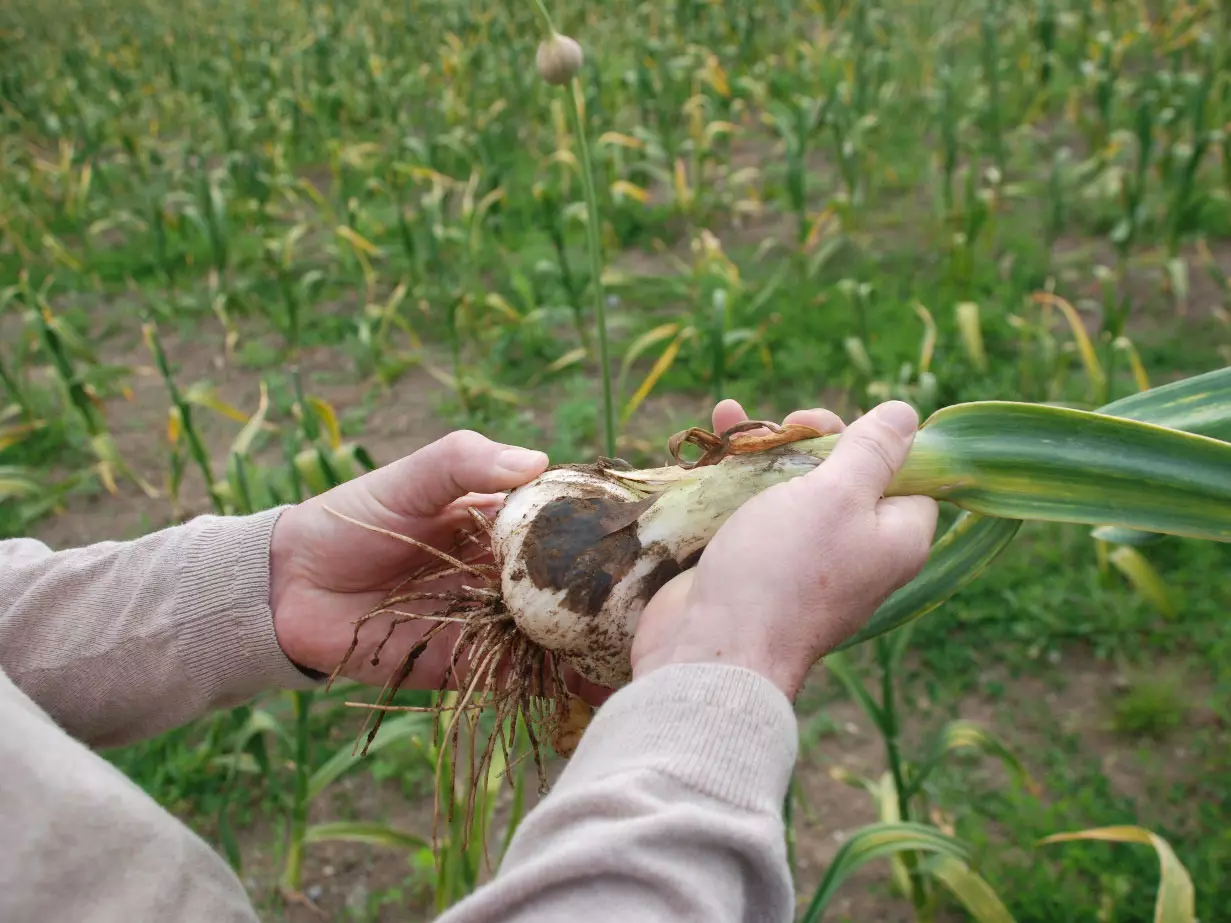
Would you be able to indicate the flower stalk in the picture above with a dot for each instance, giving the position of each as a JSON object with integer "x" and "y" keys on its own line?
{"x": 559, "y": 62}
{"x": 595, "y": 247}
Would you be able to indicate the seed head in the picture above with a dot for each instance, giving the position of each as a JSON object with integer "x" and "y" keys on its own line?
{"x": 559, "y": 59}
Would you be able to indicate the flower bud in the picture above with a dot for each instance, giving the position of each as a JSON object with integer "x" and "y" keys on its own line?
{"x": 558, "y": 59}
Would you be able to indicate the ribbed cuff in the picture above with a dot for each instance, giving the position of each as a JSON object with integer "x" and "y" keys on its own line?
{"x": 724, "y": 731}
{"x": 226, "y": 638}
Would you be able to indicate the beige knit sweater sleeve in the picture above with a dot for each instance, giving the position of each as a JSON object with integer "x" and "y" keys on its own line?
{"x": 670, "y": 811}
{"x": 122, "y": 640}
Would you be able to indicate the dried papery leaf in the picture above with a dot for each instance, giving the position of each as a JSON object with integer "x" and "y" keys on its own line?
{"x": 572, "y": 724}
{"x": 716, "y": 447}
{"x": 1089, "y": 357}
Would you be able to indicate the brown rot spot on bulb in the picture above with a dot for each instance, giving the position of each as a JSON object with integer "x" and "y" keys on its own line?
{"x": 691, "y": 561}
{"x": 665, "y": 571}
{"x": 570, "y": 546}
{"x": 658, "y": 578}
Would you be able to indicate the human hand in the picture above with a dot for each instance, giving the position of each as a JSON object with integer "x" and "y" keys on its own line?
{"x": 799, "y": 568}
{"x": 325, "y": 572}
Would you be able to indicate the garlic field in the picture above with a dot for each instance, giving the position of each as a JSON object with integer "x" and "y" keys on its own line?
{"x": 252, "y": 248}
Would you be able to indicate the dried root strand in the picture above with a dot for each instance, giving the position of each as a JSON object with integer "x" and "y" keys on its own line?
{"x": 422, "y": 546}
{"x": 714, "y": 447}
{"x": 492, "y": 667}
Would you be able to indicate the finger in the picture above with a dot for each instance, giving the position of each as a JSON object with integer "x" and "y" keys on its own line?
{"x": 824, "y": 421}
{"x": 909, "y": 525}
{"x": 461, "y": 463}
{"x": 487, "y": 504}
{"x": 727, "y": 414}
{"x": 871, "y": 451}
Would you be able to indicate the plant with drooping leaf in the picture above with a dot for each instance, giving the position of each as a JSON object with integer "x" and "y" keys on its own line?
{"x": 715, "y": 335}
{"x": 902, "y": 799}
{"x": 71, "y": 360}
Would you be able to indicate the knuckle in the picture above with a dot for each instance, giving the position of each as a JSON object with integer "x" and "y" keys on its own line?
{"x": 874, "y": 442}
{"x": 841, "y": 489}
{"x": 841, "y": 493}
{"x": 462, "y": 441}
{"x": 920, "y": 546}
{"x": 917, "y": 544}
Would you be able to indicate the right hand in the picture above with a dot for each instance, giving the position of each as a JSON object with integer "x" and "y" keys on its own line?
{"x": 799, "y": 568}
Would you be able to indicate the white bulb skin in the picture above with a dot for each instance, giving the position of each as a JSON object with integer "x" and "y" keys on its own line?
{"x": 571, "y": 589}
{"x": 576, "y": 579}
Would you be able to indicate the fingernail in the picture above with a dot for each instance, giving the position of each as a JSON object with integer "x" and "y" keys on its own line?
{"x": 521, "y": 461}
{"x": 901, "y": 416}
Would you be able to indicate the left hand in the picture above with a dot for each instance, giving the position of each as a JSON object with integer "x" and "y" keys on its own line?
{"x": 325, "y": 573}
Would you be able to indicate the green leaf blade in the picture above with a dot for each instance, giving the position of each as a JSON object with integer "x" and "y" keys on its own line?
{"x": 873, "y": 842}
{"x": 16, "y": 482}
{"x": 370, "y": 832}
{"x": 1200, "y": 404}
{"x": 406, "y": 727}
{"x": 970, "y": 545}
{"x": 1033, "y": 462}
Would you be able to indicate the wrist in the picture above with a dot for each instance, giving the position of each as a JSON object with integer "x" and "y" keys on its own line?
{"x": 281, "y": 557}
{"x": 225, "y": 633}
{"x": 281, "y": 572}
{"x": 682, "y": 626}
{"x": 725, "y": 732}
{"x": 714, "y": 652}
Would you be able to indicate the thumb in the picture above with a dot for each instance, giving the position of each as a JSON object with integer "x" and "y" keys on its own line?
{"x": 871, "y": 451}
{"x": 463, "y": 462}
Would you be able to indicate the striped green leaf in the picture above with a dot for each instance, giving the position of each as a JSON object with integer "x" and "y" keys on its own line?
{"x": 17, "y": 482}
{"x": 884, "y": 794}
{"x": 1033, "y": 462}
{"x": 1114, "y": 535}
{"x": 957, "y": 558}
{"x": 840, "y": 668}
{"x": 12, "y": 434}
{"x": 1148, "y": 583}
{"x": 1201, "y": 405}
{"x": 414, "y": 725}
{"x": 370, "y": 832}
{"x": 961, "y": 734}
